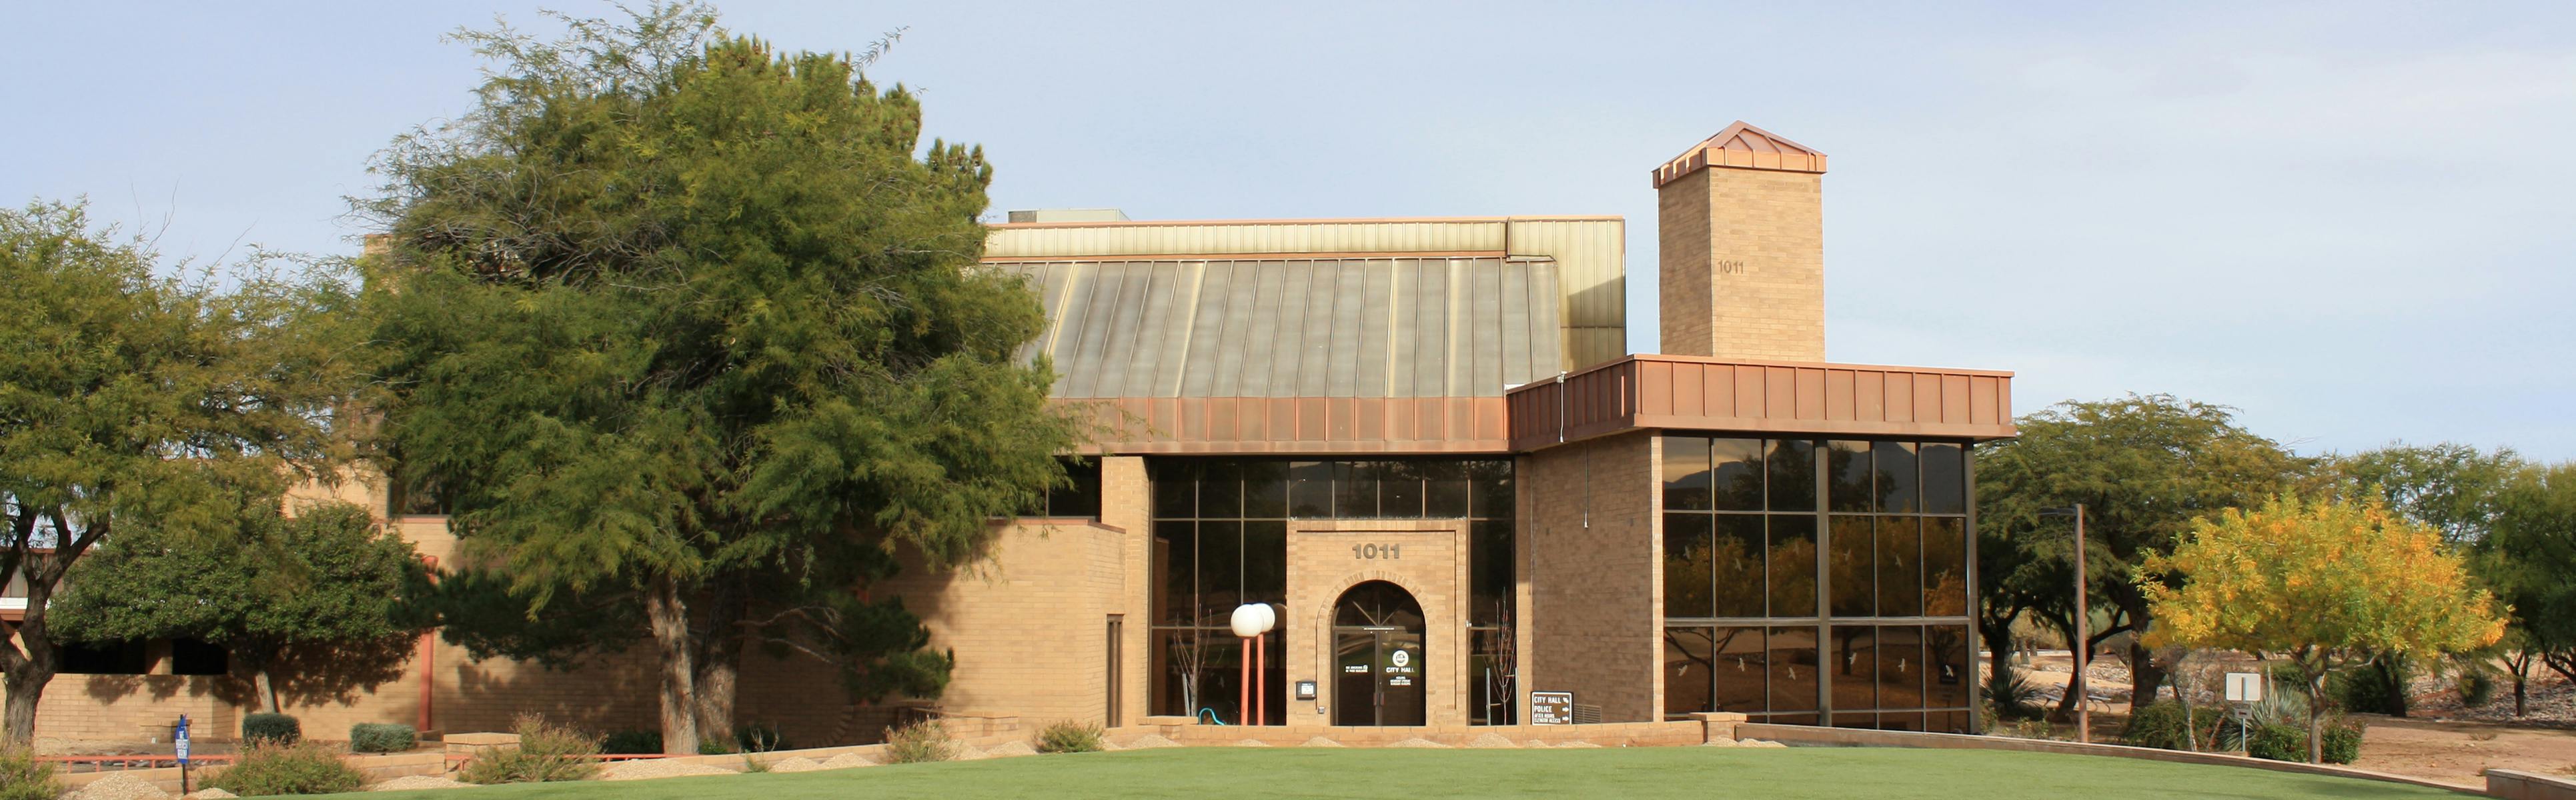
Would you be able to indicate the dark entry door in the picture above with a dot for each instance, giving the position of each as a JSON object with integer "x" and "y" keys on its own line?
{"x": 1380, "y": 666}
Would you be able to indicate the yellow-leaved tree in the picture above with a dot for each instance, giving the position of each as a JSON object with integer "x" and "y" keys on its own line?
{"x": 2324, "y": 584}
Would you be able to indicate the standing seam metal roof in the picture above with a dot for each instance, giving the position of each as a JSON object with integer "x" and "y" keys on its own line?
{"x": 1321, "y": 326}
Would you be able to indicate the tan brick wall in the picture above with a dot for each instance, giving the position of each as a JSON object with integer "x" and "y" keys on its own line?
{"x": 1432, "y": 564}
{"x": 1743, "y": 268}
{"x": 1589, "y": 512}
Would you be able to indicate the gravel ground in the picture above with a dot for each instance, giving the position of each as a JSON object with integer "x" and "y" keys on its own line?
{"x": 208, "y": 794}
{"x": 1151, "y": 740}
{"x": 798, "y": 764}
{"x": 1490, "y": 740}
{"x": 1417, "y": 742}
{"x": 847, "y": 760}
{"x": 1321, "y": 742}
{"x": 120, "y": 786}
{"x": 409, "y": 782}
{"x": 1252, "y": 743}
{"x": 1009, "y": 749}
{"x": 2552, "y": 701}
{"x": 657, "y": 768}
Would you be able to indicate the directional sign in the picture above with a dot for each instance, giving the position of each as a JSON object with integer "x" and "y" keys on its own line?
{"x": 1552, "y": 708}
{"x": 2244, "y": 687}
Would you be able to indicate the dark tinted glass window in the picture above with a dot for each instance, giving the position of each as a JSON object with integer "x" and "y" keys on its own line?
{"x": 1354, "y": 490}
{"x": 1793, "y": 475}
{"x": 1900, "y": 666}
{"x": 112, "y": 658}
{"x": 1689, "y": 575}
{"x": 1947, "y": 646}
{"x": 1793, "y": 668}
{"x": 193, "y": 657}
{"x": 1895, "y": 477}
{"x": 1491, "y": 572}
{"x": 1176, "y": 547}
{"x": 1220, "y": 489}
{"x": 1220, "y": 570}
{"x": 1444, "y": 489}
{"x": 1849, "y": 568}
{"x": 1310, "y": 488}
{"x": 1737, "y": 473}
{"x": 1686, "y": 474}
{"x": 1265, "y": 488}
{"x": 1080, "y": 499}
{"x": 1854, "y": 664}
{"x": 1741, "y": 663}
{"x": 1849, "y": 476}
{"x": 1945, "y": 479}
{"x": 1945, "y": 567}
{"x": 1265, "y": 562}
{"x": 1399, "y": 490}
{"x": 1900, "y": 567}
{"x": 1793, "y": 566}
{"x": 1688, "y": 670}
{"x": 1737, "y": 557}
{"x": 1489, "y": 487}
{"x": 1176, "y": 489}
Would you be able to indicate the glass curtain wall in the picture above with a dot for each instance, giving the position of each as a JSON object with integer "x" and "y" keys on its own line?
{"x": 1817, "y": 582}
{"x": 1221, "y": 540}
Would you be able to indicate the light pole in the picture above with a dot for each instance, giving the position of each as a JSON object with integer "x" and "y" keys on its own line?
{"x": 1250, "y": 621}
{"x": 2083, "y": 653}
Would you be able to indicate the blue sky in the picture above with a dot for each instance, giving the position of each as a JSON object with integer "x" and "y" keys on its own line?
{"x": 2353, "y": 221}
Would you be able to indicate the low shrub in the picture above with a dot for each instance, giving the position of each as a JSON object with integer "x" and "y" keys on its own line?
{"x": 918, "y": 742}
{"x": 760, "y": 737}
{"x": 2477, "y": 688}
{"x": 271, "y": 729}
{"x": 2014, "y": 698}
{"x": 300, "y": 768}
{"x": 715, "y": 747}
{"x": 22, "y": 777}
{"x": 2367, "y": 689}
{"x": 382, "y": 737}
{"x": 1069, "y": 737}
{"x": 545, "y": 753}
{"x": 2160, "y": 724}
{"x": 629, "y": 742}
{"x": 2282, "y": 742}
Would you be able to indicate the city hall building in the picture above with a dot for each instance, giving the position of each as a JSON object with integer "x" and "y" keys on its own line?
{"x": 1422, "y": 444}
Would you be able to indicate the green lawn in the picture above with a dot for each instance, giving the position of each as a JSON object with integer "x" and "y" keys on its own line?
{"x": 1693, "y": 772}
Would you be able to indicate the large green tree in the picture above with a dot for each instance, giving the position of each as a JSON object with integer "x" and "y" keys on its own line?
{"x": 320, "y": 590}
{"x": 2529, "y": 558}
{"x": 133, "y": 399}
{"x": 691, "y": 332}
{"x": 2455, "y": 489}
{"x": 2144, "y": 466}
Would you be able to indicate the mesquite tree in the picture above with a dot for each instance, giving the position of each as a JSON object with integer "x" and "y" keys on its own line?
{"x": 690, "y": 333}
{"x": 128, "y": 398}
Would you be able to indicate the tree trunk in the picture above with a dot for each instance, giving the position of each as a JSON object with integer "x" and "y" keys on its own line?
{"x": 267, "y": 690}
{"x": 2395, "y": 667}
{"x": 2144, "y": 675}
{"x": 25, "y": 684}
{"x": 1998, "y": 668}
{"x": 2521, "y": 700}
{"x": 720, "y": 660}
{"x": 2317, "y": 718}
{"x": 669, "y": 618}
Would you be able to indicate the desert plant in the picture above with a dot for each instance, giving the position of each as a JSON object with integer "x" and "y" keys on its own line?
{"x": 2477, "y": 688}
{"x": 2284, "y": 742}
{"x": 920, "y": 741}
{"x": 2343, "y": 741}
{"x": 22, "y": 777}
{"x": 381, "y": 737}
{"x": 2160, "y": 724}
{"x": 1069, "y": 737}
{"x": 760, "y": 737}
{"x": 545, "y": 753}
{"x": 2015, "y": 698}
{"x": 715, "y": 747}
{"x": 751, "y": 764}
{"x": 628, "y": 742}
{"x": 271, "y": 729}
{"x": 2368, "y": 688}
{"x": 300, "y": 768}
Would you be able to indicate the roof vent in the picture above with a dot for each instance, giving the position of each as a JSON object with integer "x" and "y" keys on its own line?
{"x": 1070, "y": 215}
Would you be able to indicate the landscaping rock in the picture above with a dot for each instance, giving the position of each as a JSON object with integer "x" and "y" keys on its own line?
{"x": 1323, "y": 742}
{"x": 410, "y": 782}
{"x": 1497, "y": 740}
{"x": 120, "y": 786}
{"x": 1726, "y": 742}
{"x": 1535, "y": 743}
{"x": 650, "y": 769}
{"x": 802, "y": 764}
{"x": 208, "y": 794}
{"x": 1150, "y": 741}
{"x": 1009, "y": 749}
{"x": 1260, "y": 743}
{"x": 1418, "y": 742}
{"x": 848, "y": 760}
{"x": 1759, "y": 743}
{"x": 968, "y": 752}
{"x": 1578, "y": 744}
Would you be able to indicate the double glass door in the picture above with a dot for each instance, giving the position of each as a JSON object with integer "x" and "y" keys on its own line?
{"x": 1379, "y": 663}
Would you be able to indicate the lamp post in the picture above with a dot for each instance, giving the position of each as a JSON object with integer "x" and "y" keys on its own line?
{"x": 2083, "y": 653}
{"x": 1250, "y": 621}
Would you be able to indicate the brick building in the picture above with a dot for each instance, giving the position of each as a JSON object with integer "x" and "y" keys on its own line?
{"x": 1421, "y": 443}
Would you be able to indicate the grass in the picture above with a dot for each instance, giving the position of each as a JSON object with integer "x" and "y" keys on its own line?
{"x": 1675, "y": 772}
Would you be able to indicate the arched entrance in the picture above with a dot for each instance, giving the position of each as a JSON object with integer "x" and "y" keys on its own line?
{"x": 1378, "y": 656}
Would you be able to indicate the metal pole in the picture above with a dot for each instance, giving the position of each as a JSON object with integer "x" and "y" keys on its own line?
{"x": 2083, "y": 651}
{"x": 1243, "y": 713}
{"x": 1260, "y": 680}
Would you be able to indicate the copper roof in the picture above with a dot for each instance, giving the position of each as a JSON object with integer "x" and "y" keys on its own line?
{"x": 1742, "y": 146}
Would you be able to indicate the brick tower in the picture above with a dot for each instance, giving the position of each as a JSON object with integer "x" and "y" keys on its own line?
{"x": 1740, "y": 224}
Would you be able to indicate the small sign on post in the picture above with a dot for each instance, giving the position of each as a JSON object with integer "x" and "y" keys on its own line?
{"x": 1551, "y": 708}
{"x": 179, "y": 741}
{"x": 2244, "y": 687}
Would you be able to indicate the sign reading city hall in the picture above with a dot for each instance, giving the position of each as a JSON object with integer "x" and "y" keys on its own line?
{"x": 1552, "y": 708}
